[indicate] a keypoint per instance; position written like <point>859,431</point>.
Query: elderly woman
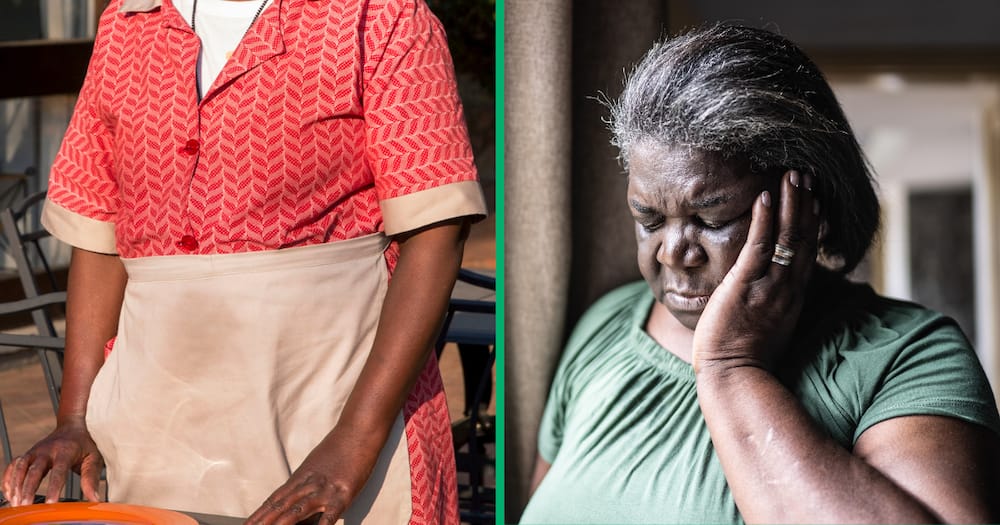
<point>747,379</point>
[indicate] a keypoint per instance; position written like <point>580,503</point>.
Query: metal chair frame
<point>20,241</point>
<point>42,344</point>
<point>23,235</point>
<point>463,325</point>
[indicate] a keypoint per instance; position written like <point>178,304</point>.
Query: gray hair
<point>749,94</point>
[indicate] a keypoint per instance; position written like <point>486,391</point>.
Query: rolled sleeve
<point>415,210</point>
<point>78,230</point>
<point>418,144</point>
<point>82,199</point>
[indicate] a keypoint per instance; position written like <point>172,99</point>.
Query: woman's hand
<point>752,313</point>
<point>68,448</point>
<point>781,466</point>
<point>322,488</point>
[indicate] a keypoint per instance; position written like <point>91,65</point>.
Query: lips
<point>685,301</point>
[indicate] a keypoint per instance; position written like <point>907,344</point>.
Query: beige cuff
<point>79,231</point>
<point>139,6</point>
<point>415,210</point>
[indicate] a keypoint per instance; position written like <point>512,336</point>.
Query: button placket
<point>189,243</point>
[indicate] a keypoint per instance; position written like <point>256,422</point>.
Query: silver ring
<point>782,255</point>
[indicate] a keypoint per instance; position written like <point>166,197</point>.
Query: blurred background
<point>919,81</point>
<point>45,46</point>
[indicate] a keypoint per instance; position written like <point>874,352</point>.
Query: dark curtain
<point>568,234</point>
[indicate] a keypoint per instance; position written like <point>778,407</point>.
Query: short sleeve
<point>606,321</point>
<point>417,143</point>
<point>566,380</point>
<point>934,371</point>
<point>82,198</point>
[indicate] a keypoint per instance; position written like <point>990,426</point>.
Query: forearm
<point>94,297</point>
<point>781,468</point>
<point>411,316</point>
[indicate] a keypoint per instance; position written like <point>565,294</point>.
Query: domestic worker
<point>239,181</point>
<point>747,379</point>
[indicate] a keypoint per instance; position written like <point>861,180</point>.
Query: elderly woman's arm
<point>779,465</point>
<point>781,468</point>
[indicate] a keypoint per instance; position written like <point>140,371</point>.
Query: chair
<point>23,236</point>
<point>470,323</point>
<point>5,439</point>
<point>42,343</point>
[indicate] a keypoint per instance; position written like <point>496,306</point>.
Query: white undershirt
<point>221,25</point>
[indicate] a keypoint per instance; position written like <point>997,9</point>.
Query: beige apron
<point>229,369</point>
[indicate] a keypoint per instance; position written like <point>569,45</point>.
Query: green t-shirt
<point>626,438</point>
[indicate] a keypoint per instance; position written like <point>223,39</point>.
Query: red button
<point>188,243</point>
<point>190,147</point>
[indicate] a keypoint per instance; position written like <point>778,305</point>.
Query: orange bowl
<point>92,514</point>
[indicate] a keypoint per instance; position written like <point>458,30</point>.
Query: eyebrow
<point>641,208</point>
<point>703,204</point>
<point>711,202</point>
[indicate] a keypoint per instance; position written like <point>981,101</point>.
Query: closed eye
<point>648,218</point>
<point>650,225</point>
<point>718,224</point>
<point>713,225</point>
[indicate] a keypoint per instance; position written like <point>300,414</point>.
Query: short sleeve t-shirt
<point>627,441</point>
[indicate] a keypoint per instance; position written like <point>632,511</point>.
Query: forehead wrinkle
<point>683,178</point>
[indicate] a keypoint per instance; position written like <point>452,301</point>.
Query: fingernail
<point>793,177</point>
<point>765,199</point>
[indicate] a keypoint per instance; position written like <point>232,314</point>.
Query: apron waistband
<point>181,267</point>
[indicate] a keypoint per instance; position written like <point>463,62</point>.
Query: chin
<point>688,320</point>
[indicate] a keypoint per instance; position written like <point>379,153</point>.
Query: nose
<point>679,248</point>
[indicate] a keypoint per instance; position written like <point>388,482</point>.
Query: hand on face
<point>752,313</point>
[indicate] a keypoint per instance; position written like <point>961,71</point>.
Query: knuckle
<point>791,238</point>
<point>762,247</point>
<point>758,297</point>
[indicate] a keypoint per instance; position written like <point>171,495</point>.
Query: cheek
<point>724,247</point>
<point>647,246</point>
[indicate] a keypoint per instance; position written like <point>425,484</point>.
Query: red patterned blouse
<point>333,120</point>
